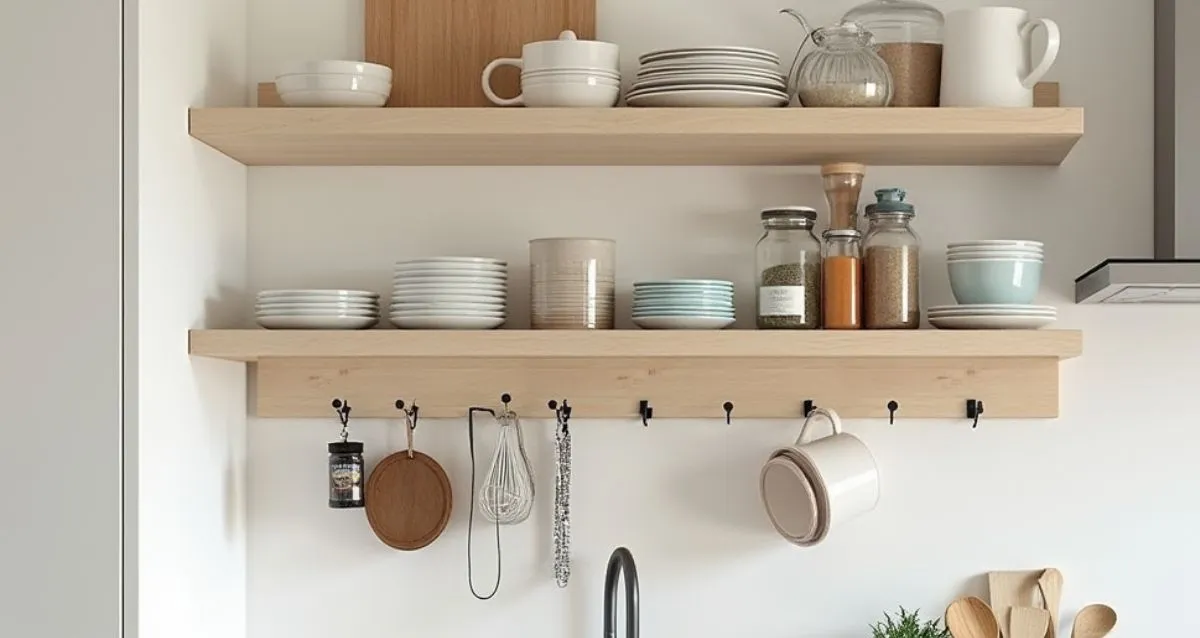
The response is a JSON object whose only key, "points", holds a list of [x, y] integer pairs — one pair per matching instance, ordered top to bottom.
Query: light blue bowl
{"points": [[1008, 281], [683, 282], [683, 304], [682, 312]]}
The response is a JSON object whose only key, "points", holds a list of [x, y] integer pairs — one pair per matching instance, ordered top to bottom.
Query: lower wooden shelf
{"points": [[604, 374]]}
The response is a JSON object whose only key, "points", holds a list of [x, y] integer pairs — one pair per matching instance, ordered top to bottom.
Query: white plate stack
{"points": [[709, 77], [334, 83], [449, 293], [683, 304], [306, 309], [992, 317]]}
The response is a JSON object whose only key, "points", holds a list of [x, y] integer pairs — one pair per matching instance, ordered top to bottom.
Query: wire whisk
{"points": [[508, 488]]}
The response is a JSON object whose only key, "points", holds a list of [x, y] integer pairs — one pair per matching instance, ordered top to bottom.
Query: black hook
{"points": [[506, 398], [892, 406], [728, 407], [808, 407], [343, 410], [974, 410], [645, 411], [412, 412], [561, 413]]}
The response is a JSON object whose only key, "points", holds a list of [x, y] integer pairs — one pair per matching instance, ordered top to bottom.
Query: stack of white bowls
{"points": [[567, 72], [709, 76], [334, 83], [573, 282], [995, 282], [449, 293], [683, 304], [308, 309]]}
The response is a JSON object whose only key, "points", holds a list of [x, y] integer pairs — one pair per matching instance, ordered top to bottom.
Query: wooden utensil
{"points": [[437, 49], [408, 499], [1050, 583], [1011, 589], [970, 617], [1094, 621], [1028, 622]]}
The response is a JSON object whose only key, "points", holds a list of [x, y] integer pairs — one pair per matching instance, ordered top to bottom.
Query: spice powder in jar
{"points": [[891, 264], [841, 286], [346, 475]]}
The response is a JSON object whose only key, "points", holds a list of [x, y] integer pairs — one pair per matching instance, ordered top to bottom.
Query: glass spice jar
{"points": [[908, 37], [788, 257], [891, 264], [841, 284], [346, 474]]}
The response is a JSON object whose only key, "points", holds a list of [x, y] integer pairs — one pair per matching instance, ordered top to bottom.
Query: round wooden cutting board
{"points": [[408, 500]]}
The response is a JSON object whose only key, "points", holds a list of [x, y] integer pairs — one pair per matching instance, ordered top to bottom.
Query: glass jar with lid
{"points": [[908, 37], [844, 70], [788, 258], [891, 264], [841, 285]]}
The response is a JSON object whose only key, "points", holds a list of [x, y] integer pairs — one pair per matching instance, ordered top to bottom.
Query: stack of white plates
{"points": [[709, 77], [334, 83], [449, 293], [683, 304], [317, 309], [992, 317]]}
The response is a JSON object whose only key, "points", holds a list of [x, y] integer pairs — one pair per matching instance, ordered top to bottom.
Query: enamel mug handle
{"points": [[1053, 40], [487, 82], [826, 414]]}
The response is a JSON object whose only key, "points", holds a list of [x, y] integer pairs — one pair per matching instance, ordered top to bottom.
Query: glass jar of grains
{"points": [[908, 36], [891, 264], [789, 270], [841, 286]]}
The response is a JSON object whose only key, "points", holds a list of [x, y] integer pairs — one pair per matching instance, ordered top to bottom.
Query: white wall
{"points": [[60, 349], [1102, 493], [191, 532]]}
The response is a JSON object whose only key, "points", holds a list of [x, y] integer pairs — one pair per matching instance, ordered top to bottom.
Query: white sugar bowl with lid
{"points": [[563, 72]]}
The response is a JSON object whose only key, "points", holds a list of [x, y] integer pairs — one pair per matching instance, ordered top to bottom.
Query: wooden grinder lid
{"points": [[408, 499]]}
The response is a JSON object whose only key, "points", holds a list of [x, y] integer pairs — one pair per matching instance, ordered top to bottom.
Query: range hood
{"points": [[1165, 278]]}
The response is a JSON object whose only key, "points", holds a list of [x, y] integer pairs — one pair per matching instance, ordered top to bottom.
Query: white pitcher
{"points": [[986, 57]]}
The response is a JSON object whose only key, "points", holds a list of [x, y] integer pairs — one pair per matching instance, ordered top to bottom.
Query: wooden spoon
{"points": [[1050, 583], [971, 618], [1094, 621], [1028, 622]]}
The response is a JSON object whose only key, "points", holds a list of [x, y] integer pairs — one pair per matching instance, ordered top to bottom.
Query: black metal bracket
{"points": [[809, 406], [892, 406], [728, 407], [645, 411], [974, 411], [413, 412]]}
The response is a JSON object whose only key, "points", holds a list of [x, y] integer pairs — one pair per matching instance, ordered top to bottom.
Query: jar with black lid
{"points": [[788, 257], [346, 474]]}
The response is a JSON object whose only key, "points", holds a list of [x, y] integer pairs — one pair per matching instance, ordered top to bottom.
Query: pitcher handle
{"points": [[1053, 40], [835, 423]]}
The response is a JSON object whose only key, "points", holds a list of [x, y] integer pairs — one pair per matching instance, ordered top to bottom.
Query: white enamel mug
{"points": [[567, 53], [987, 54], [844, 477]]}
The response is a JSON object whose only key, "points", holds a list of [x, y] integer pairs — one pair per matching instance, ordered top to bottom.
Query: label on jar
{"points": [[781, 301], [345, 481]]}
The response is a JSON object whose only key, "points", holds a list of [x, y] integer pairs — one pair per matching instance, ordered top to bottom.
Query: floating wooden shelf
{"points": [[638, 136], [683, 374]]}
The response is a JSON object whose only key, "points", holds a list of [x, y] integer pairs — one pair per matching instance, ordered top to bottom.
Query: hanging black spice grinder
{"points": [[347, 472]]}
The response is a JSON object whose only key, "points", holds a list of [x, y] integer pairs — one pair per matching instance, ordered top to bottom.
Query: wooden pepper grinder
{"points": [[843, 184]]}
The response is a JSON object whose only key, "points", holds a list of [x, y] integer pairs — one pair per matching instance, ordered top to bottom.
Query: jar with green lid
{"points": [[788, 257], [891, 264]]}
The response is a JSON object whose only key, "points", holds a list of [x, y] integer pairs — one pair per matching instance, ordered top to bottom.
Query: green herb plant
{"points": [[908, 625]]}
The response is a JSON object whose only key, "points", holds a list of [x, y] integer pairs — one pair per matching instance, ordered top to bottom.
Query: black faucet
{"points": [[621, 561]]}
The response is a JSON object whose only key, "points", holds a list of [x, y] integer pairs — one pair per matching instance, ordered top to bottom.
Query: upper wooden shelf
{"points": [[638, 136], [253, 345]]}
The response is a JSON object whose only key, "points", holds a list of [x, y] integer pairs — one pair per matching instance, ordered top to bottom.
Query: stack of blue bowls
{"points": [[683, 304]]}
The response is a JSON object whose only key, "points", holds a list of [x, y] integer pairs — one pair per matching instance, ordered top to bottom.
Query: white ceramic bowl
{"points": [[567, 51], [338, 66], [571, 74], [586, 80], [332, 81], [570, 94], [333, 98], [1002, 243], [994, 255]]}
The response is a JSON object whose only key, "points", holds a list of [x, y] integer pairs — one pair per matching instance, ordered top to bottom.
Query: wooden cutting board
{"points": [[437, 48]]}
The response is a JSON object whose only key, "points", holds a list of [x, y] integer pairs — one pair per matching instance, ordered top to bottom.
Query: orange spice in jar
{"points": [[841, 286]]}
